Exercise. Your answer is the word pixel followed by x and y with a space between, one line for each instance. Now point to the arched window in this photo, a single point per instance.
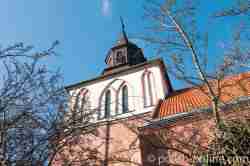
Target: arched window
pixel 84 104
pixel 107 104
pixel 80 104
pixel 85 100
pixel 148 89
pixel 125 108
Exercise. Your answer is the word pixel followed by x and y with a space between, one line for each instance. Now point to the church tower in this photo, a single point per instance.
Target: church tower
pixel 128 86
pixel 123 53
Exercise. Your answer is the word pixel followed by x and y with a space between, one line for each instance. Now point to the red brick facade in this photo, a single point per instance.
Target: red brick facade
pixel 143 140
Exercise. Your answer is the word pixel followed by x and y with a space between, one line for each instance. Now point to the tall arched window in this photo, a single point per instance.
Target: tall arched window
pixel 125 108
pixel 85 100
pixel 81 103
pixel 148 89
pixel 84 104
pixel 107 104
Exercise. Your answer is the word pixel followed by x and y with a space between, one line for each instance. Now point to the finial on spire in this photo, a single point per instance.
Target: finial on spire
pixel 123 29
pixel 122 22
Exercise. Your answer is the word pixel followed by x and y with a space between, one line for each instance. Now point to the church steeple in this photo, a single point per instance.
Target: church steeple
pixel 124 52
pixel 124 35
pixel 123 39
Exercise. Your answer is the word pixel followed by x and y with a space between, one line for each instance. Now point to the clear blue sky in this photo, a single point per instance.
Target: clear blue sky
pixel 86 30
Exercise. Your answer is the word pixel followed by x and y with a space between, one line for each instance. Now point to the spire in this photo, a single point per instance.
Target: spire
pixel 124 35
pixel 123 52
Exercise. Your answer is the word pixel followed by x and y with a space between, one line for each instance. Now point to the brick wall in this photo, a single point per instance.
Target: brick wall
pixel 181 142
pixel 119 143
pixel 116 143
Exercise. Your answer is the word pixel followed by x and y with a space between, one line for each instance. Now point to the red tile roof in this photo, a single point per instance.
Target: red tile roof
pixel 185 100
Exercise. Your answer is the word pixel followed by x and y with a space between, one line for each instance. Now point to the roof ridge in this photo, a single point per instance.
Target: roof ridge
pixel 195 97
